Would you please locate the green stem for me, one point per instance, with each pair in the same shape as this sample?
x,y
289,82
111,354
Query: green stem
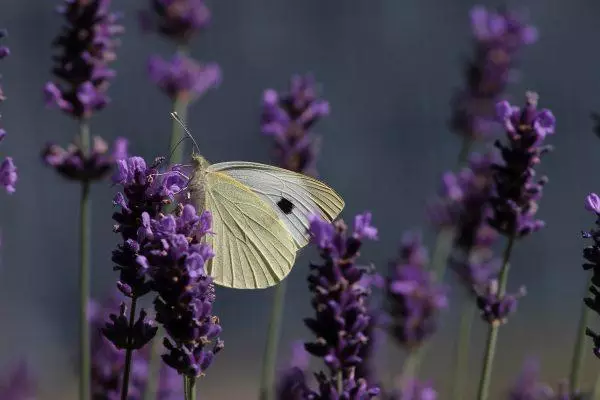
x,y
410,367
469,310
267,386
340,382
129,351
596,391
84,273
443,245
180,107
465,148
490,350
579,351
189,387
153,370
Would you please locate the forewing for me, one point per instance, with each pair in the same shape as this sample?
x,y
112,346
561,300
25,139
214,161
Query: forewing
x,y
307,195
253,248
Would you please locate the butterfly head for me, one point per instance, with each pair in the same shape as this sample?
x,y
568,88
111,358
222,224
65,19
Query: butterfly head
x,y
199,162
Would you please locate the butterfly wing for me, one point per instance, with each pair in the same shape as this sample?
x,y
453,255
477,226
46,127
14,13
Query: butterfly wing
x,y
293,196
252,246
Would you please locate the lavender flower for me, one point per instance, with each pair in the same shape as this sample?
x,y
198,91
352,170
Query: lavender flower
x,y
177,20
87,46
292,383
340,302
108,363
414,297
496,307
591,254
73,164
288,119
18,384
175,256
8,170
498,37
516,191
529,387
182,78
145,191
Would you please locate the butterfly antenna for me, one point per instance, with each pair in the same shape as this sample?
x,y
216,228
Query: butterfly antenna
x,y
187,131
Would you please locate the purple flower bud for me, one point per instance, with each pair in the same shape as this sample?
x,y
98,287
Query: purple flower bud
x,y
592,203
177,20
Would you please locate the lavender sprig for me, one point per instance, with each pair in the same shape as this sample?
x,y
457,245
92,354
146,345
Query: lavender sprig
x,y
8,170
288,118
514,203
339,300
529,387
86,47
292,383
176,20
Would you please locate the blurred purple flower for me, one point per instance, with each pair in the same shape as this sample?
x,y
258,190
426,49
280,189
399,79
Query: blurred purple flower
x,y
174,254
292,383
108,363
529,387
414,298
288,118
18,384
182,78
8,170
495,307
87,45
73,164
176,20
498,37
516,191
415,390
340,298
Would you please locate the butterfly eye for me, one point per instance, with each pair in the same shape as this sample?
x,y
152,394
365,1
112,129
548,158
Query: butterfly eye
x,y
285,206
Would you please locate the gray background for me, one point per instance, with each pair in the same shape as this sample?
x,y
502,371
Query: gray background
x,y
389,69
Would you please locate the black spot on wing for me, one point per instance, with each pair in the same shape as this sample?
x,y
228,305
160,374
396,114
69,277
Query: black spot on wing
x,y
285,205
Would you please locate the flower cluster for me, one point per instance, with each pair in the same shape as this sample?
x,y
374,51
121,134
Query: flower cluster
x,y
340,302
288,119
498,38
108,362
529,387
74,164
174,255
164,254
496,307
18,384
182,78
414,297
8,170
516,191
177,20
591,254
87,46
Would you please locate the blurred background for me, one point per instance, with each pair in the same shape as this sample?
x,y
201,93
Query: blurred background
x,y
389,69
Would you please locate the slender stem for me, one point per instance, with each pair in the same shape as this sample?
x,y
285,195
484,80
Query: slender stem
x,y
267,386
469,310
443,245
153,370
189,385
596,390
490,350
340,382
180,106
84,273
579,350
129,351
410,367
465,148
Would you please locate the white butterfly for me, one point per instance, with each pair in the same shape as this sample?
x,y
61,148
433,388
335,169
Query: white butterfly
x,y
260,218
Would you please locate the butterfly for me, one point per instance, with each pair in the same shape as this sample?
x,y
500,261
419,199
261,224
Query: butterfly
x,y
260,218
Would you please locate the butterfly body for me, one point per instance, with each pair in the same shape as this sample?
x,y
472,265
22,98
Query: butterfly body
x,y
260,218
